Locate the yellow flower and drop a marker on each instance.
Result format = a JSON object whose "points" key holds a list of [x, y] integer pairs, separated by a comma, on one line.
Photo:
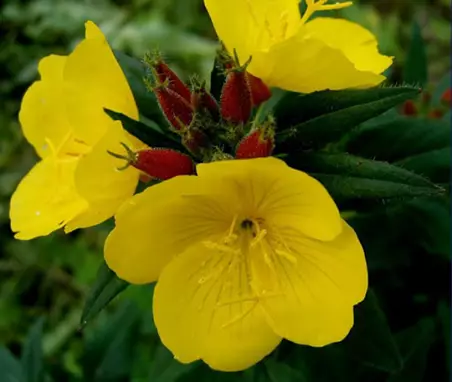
{"points": [[293, 53], [76, 183], [246, 253]]}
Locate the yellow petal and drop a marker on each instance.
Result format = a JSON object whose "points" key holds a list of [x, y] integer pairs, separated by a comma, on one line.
{"points": [[309, 288], [358, 44], [42, 113], [45, 199], [268, 188], [94, 81], [313, 65], [100, 183], [252, 25], [204, 309], [51, 68], [161, 222]]}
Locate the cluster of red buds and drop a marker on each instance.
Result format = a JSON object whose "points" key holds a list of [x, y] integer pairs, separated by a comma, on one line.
{"points": [[423, 107], [203, 123]]}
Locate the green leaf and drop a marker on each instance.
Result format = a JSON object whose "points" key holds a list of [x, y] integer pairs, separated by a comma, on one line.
{"points": [[441, 87], [445, 320], [426, 219], [349, 165], [32, 356], [370, 340], [135, 72], [200, 372], [108, 354], [344, 188], [149, 134], [10, 367], [106, 287], [429, 222], [165, 368], [415, 71], [282, 372], [319, 118], [433, 164], [414, 344], [399, 139], [217, 79]]}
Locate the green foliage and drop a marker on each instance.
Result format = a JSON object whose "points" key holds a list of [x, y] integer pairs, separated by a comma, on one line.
{"points": [[327, 116], [415, 71], [106, 287], [387, 171]]}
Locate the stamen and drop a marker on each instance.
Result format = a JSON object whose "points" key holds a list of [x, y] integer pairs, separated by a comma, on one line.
{"points": [[315, 6], [286, 255], [260, 234], [240, 316], [251, 298], [220, 247]]}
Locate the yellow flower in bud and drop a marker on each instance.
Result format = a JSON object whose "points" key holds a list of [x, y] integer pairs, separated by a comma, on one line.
{"points": [[246, 253], [76, 183], [295, 53]]}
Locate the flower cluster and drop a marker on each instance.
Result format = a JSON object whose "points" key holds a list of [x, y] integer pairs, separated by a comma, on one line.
{"points": [[245, 250]]}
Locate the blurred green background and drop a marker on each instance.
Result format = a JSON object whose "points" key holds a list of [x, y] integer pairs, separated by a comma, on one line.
{"points": [[50, 277]]}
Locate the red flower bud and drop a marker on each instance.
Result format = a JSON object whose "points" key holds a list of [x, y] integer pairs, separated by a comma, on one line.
{"points": [[164, 75], [409, 108], [426, 97], [195, 141], [259, 91], [236, 103], [201, 99], [446, 97], [260, 142], [176, 109], [436, 114], [158, 163]]}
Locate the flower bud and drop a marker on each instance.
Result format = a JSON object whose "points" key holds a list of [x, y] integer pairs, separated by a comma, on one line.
{"points": [[436, 114], [164, 75], [259, 142], [446, 97], [176, 109], [195, 141], [236, 103], [259, 91], [158, 163], [202, 100], [409, 108]]}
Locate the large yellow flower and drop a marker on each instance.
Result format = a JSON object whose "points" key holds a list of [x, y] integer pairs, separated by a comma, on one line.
{"points": [[246, 253], [76, 183], [293, 53]]}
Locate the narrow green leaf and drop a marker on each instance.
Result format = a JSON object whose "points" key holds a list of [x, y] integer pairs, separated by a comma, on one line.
{"points": [[349, 165], [135, 72], [32, 356], [399, 139], [217, 79], [415, 70], [322, 117], [370, 340], [281, 372], [113, 347], [443, 84], [10, 367], [434, 164], [106, 287], [444, 315], [414, 345], [203, 373], [150, 134], [344, 188], [165, 368]]}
